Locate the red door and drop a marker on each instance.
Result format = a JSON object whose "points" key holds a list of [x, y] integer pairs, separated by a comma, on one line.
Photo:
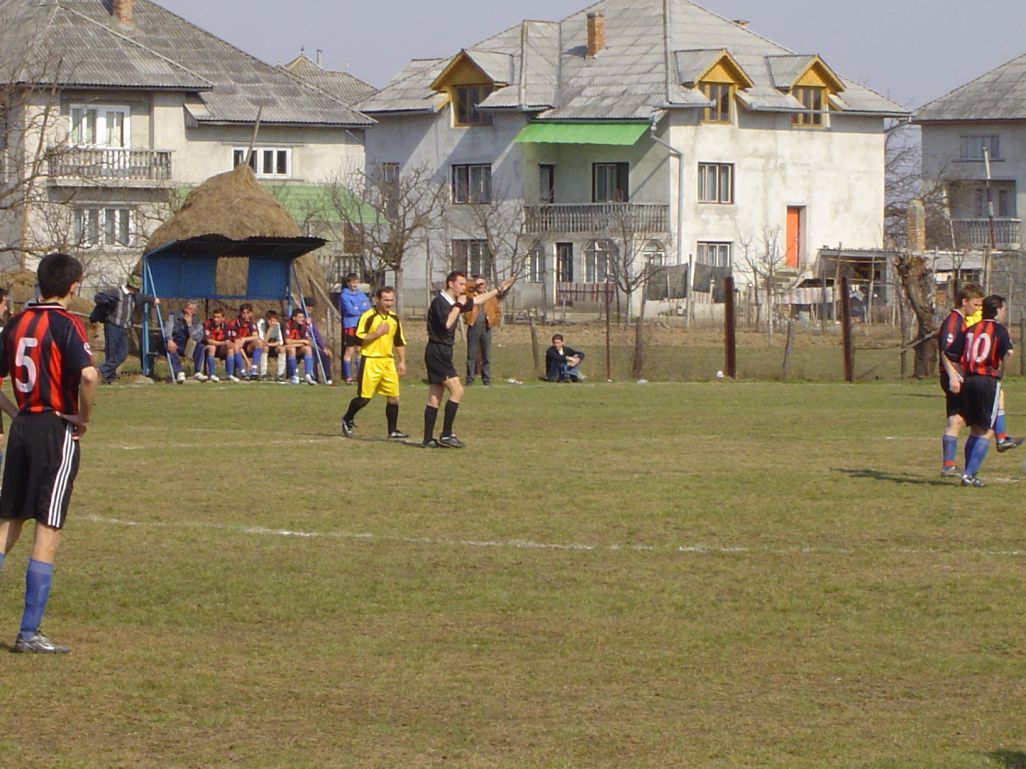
{"points": [[794, 236]]}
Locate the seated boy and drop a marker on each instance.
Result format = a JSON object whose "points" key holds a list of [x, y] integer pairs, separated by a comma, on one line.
{"points": [[299, 341], [562, 362], [271, 332], [216, 343], [181, 328], [246, 343]]}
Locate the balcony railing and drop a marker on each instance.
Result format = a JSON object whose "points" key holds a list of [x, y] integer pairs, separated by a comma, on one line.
{"points": [[975, 233], [608, 218], [110, 164]]}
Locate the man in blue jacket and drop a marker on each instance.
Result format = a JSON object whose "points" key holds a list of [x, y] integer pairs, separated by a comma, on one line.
{"points": [[352, 303]]}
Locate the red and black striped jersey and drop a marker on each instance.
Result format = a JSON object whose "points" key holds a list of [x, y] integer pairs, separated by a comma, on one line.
{"points": [[950, 330], [44, 349], [295, 330], [215, 331], [983, 347], [240, 329]]}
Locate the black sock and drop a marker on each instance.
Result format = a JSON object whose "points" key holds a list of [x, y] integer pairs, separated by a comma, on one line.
{"points": [[450, 417], [392, 416], [430, 415], [355, 405]]}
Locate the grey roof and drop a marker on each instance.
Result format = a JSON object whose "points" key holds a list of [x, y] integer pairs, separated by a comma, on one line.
{"points": [[410, 90], [161, 50], [341, 85], [998, 95], [497, 66], [627, 80]]}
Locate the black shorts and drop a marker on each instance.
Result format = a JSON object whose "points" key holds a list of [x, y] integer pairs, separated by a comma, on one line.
{"points": [[42, 463], [438, 359], [980, 398], [952, 402], [349, 337]]}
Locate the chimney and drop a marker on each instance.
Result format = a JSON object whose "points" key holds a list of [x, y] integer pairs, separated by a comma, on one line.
{"points": [[319, 53], [596, 33], [122, 11], [741, 22]]}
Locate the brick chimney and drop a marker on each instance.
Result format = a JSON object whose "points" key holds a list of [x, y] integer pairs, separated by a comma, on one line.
{"points": [[122, 11], [596, 33]]}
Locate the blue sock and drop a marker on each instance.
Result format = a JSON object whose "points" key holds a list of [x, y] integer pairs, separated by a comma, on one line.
{"points": [[999, 424], [2, 556], [979, 452], [38, 578], [308, 365], [229, 365], [290, 367], [210, 365], [257, 354], [347, 370], [970, 442], [950, 443], [240, 364]]}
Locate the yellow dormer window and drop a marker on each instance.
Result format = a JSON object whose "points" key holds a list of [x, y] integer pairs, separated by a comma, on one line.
{"points": [[814, 100], [466, 100], [722, 97]]}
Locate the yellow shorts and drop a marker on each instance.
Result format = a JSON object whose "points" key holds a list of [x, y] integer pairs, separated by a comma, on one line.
{"points": [[377, 377]]}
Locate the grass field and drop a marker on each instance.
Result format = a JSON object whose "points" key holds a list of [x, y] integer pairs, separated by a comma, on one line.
{"points": [[610, 575]]}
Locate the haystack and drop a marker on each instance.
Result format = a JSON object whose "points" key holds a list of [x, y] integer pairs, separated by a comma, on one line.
{"points": [[233, 204]]}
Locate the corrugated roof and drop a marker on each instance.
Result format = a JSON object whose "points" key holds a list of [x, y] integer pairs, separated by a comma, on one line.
{"points": [[997, 95], [341, 85], [409, 91], [163, 50]]}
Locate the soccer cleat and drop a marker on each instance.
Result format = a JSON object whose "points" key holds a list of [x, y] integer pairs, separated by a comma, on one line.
{"points": [[294, 380], [951, 471], [252, 372], [972, 480], [215, 378], [450, 442], [309, 379], [397, 435], [328, 382], [199, 376], [180, 378], [347, 427], [348, 380], [1008, 442], [431, 443], [233, 378], [38, 643]]}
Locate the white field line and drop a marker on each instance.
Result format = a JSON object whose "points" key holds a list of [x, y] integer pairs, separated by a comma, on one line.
{"points": [[524, 544]]}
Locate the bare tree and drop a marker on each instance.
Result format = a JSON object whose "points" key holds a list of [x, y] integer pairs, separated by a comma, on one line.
{"points": [[917, 284], [765, 261], [636, 262], [502, 225]]}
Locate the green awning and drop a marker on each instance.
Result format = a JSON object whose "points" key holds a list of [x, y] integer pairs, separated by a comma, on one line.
{"points": [[620, 134]]}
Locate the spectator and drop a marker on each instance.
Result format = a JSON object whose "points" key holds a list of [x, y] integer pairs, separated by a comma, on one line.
{"points": [[181, 328], [274, 339], [562, 362], [352, 304], [117, 324], [216, 343], [480, 322]]}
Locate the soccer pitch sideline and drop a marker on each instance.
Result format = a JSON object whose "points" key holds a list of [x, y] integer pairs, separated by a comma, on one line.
{"points": [[609, 575]]}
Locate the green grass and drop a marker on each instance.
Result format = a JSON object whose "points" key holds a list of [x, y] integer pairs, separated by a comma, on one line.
{"points": [[610, 575]]}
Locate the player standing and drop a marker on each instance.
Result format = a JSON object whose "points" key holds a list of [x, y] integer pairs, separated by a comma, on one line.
{"points": [[443, 314], [44, 349], [380, 336]]}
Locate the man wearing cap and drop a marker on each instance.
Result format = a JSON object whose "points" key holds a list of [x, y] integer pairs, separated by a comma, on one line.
{"points": [[115, 327]]}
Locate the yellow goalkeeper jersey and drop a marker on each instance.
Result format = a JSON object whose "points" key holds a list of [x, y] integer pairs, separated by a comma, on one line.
{"points": [[383, 346]]}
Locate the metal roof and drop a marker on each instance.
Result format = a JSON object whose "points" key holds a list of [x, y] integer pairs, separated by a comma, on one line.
{"points": [[997, 95]]}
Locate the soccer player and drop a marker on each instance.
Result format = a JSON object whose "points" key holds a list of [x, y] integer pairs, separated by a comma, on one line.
{"points": [[44, 349], [246, 342], [352, 303], [273, 336], [381, 338], [216, 344], [443, 314], [298, 339], [983, 350]]}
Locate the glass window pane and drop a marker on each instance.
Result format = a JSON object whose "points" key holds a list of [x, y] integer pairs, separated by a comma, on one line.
{"points": [[282, 168]]}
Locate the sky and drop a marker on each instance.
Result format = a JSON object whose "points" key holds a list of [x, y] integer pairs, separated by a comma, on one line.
{"points": [[912, 51]]}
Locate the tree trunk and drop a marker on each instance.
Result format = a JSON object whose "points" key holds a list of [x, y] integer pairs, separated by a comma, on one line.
{"points": [[917, 285], [638, 362]]}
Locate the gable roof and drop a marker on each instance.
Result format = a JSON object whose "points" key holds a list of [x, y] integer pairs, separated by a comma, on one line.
{"points": [[341, 85], [997, 95], [161, 50], [629, 79]]}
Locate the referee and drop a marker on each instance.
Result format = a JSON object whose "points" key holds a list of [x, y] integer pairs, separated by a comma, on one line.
{"points": [[442, 317], [45, 351]]}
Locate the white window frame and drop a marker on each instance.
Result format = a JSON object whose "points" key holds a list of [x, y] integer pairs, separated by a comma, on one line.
{"points": [[471, 183], [536, 265], [716, 183], [259, 161], [103, 226], [103, 112], [715, 253]]}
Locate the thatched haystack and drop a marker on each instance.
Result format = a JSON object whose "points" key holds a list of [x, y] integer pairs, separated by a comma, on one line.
{"points": [[233, 204], [21, 287]]}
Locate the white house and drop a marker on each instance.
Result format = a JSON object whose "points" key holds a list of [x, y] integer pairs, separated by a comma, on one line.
{"points": [[720, 146]]}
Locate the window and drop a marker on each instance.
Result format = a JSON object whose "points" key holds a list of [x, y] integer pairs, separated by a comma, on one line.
{"points": [[102, 227], [266, 162], [471, 257], [536, 265], [389, 173], [1004, 203], [714, 254], [564, 263], [715, 182], [813, 99], [100, 126], [653, 254], [466, 102], [722, 97], [971, 147], [546, 183], [598, 260], [609, 182], [472, 184]]}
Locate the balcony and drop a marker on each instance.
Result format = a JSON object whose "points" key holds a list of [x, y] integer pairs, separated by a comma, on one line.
{"points": [[975, 233], [108, 165], [597, 218]]}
